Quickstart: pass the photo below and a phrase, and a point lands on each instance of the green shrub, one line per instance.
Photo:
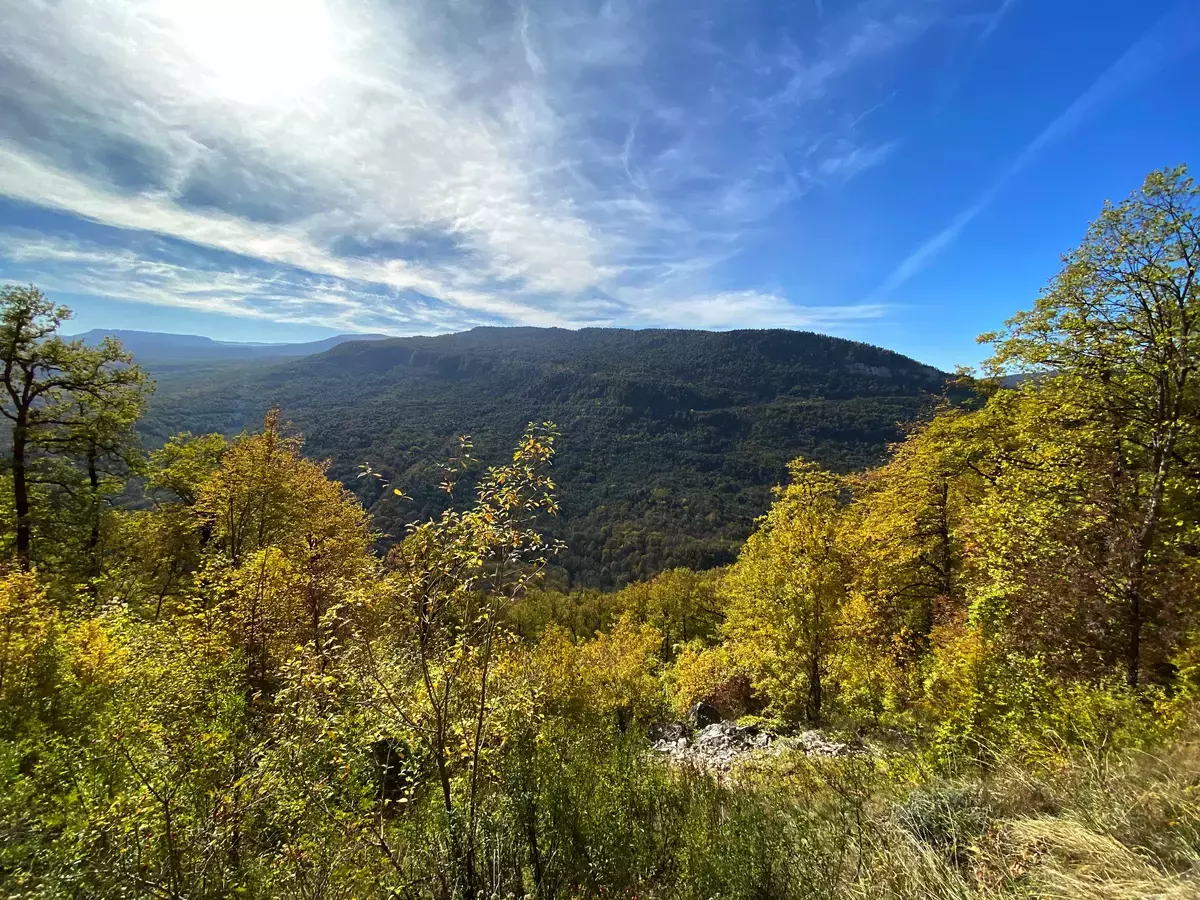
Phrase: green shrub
(947, 817)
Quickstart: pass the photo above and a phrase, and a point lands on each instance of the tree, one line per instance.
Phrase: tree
(102, 441)
(183, 464)
(1048, 530)
(906, 525)
(158, 550)
(285, 543)
(785, 590)
(27, 624)
(680, 603)
(618, 670)
(430, 648)
(56, 393)
(1120, 324)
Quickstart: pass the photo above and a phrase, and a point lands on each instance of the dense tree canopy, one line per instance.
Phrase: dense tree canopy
(1121, 325)
(671, 440)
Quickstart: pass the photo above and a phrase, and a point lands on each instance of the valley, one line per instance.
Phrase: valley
(671, 440)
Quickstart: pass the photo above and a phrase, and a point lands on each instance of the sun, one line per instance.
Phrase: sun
(254, 51)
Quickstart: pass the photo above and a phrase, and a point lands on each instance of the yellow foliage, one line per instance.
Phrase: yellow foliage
(554, 669)
(28, 622)
(784, 592)
(680, 603)
(615, 673)
(263, 611)
(906, 535)
(871, 684)
(266, 494)
(707, 674)
(95, 656)
(618, 671)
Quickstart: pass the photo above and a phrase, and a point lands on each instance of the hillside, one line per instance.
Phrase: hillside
(671, 440)
(164, 351)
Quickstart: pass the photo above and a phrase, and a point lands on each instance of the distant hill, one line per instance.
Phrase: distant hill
(671, 440)
(155, 348)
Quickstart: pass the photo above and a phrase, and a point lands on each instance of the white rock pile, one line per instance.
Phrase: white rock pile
(721, 744)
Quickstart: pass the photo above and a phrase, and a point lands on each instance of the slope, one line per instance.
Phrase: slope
(671, 440)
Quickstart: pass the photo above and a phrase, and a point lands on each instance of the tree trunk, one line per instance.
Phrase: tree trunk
(1137, 579)
(535, 850)
(947, 549)
(93, 544)
(21, 493)
(814, 684)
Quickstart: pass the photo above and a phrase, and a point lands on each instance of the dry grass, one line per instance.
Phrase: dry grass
(1092, 827)
(1072, 862)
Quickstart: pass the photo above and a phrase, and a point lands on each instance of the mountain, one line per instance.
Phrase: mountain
(671, 440)
(157, 349)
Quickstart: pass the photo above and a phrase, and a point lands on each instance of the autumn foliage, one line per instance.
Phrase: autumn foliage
(217, 678)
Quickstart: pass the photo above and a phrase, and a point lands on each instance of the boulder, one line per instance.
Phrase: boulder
(702, 715)
(671, 731)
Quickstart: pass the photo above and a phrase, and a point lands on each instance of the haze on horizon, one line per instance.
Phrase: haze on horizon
(904, 172)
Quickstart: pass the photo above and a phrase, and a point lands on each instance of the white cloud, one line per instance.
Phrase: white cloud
(855, 160)
(755, 309)
(533, 141)
(62, 264)
(28, 180)
(995, 19)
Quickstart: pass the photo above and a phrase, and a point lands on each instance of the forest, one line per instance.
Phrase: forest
(968, 669)
(670, 440)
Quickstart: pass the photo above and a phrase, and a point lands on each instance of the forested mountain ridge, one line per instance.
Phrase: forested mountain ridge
(671, 439)
(164, 351)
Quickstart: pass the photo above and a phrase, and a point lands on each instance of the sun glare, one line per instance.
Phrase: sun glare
(255, 51)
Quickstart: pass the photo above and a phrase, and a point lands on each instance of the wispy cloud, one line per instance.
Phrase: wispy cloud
(855, 160)
(430, 164)
(994, 20)
(1169, 39)
(756, 309)
(166, 278)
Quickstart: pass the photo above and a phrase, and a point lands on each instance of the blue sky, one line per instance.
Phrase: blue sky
(905, 172)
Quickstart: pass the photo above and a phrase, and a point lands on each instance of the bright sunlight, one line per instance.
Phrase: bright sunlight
(255, 51)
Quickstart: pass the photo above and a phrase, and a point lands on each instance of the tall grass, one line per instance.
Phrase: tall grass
(585, 815)
(601, 818)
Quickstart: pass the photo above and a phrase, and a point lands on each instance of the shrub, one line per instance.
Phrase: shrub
(947, 817)
(708, 674)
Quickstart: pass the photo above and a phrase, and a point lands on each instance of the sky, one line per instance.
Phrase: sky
(902, 172)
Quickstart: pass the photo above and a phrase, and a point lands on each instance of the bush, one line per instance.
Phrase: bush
(947, 817)
(708, 674)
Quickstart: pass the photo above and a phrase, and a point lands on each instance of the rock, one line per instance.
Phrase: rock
(816, 744)
(671, 731)
(712, 734)
(702, 715)
(719, 745)
(669, 738)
